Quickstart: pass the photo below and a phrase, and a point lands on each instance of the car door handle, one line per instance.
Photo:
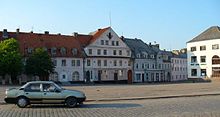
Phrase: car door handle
(45, 93)
(27, 93)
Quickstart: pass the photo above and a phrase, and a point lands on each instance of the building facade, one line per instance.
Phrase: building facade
(107, 57)
(150, 64)
(179, 67)
(203, 54)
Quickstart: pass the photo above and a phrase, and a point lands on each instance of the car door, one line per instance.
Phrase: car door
(33, 92)
(51, 94)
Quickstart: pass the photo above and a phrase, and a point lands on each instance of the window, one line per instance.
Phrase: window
(53, 51)
(106, 42)
(78, 62)
(30, 50)
(142, 66)
(63, 63)
(102, 42)
(128, 53)
(138, 56)
(117, 43)
(99, 62)
(63, 51)
(202, 48)
(113, 43)
(138, 77)
(90, 51)
(137, 66)
(33, 87)
(48, 88)
(54, 62)
(215, 46)
(215, 59)
(193, 49)
(105, 52)
(202, 59)
(193, 59)
(115, 63)
(114, 52)
(129, 62)
(203, 72)
(88, 63)
(98, 52)
(120, 52)
(105, 62)
(74, 51)
(75, 76)
(120, 62)
(73, 62)
(193, 72)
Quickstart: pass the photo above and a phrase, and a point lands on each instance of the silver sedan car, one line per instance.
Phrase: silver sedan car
(43, 92)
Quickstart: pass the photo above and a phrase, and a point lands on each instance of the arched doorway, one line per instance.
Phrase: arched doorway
(168, 77)
(129, 76)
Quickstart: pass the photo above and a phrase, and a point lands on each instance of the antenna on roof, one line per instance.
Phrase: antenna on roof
(110, 19)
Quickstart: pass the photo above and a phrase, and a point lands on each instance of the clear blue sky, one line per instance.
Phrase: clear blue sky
(171, 23)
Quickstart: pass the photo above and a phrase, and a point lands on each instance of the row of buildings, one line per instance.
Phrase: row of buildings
(102, 56)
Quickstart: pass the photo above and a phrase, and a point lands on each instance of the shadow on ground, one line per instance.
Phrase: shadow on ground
(115, 105)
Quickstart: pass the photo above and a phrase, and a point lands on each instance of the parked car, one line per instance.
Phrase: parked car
(43, 92)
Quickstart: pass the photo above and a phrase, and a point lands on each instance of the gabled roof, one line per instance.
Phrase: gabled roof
(36, 40)
(209, 34)
(137, 46)
(97, 34)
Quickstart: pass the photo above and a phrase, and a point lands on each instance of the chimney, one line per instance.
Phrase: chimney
(46, 32)
(75, 34)
(99, 29)
(58, 33)
(150, 44)
(31, 32)
(17, 31)
(5, 33)
(122, 38)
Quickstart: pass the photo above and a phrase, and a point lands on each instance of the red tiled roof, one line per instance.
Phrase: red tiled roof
(35, 40)
(98, 33)
(84, 39)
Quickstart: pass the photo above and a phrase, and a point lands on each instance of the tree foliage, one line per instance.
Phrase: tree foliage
(39, 64)
(10, 58)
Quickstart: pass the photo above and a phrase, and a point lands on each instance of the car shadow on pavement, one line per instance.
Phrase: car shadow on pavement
(112, 105)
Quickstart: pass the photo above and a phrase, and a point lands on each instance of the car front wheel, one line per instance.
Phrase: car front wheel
(22, 102)
(71, 102)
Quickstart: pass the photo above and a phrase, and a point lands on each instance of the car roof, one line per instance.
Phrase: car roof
(41, 82)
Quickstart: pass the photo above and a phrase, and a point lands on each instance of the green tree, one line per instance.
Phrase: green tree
(39, 64)
(10, 59)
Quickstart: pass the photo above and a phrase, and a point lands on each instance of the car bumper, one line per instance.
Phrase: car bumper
(10, 100)
(80, 100)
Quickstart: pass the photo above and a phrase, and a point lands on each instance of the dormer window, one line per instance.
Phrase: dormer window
(152, 56)
(30, 50)
(74, 51)
(63, 51)
(53, 51)
(138, 56)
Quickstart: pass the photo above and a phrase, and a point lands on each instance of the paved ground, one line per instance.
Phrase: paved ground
(126, 91)
(176, 107)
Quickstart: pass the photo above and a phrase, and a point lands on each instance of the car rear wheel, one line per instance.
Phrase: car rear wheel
(22, 102)
(71, 102)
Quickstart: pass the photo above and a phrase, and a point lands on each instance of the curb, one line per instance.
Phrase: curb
(146, 98)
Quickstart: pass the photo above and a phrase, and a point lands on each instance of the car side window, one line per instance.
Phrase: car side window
(33, 88)
(49, 88)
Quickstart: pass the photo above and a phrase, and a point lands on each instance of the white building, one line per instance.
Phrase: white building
(108, 58)
(203, 54)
